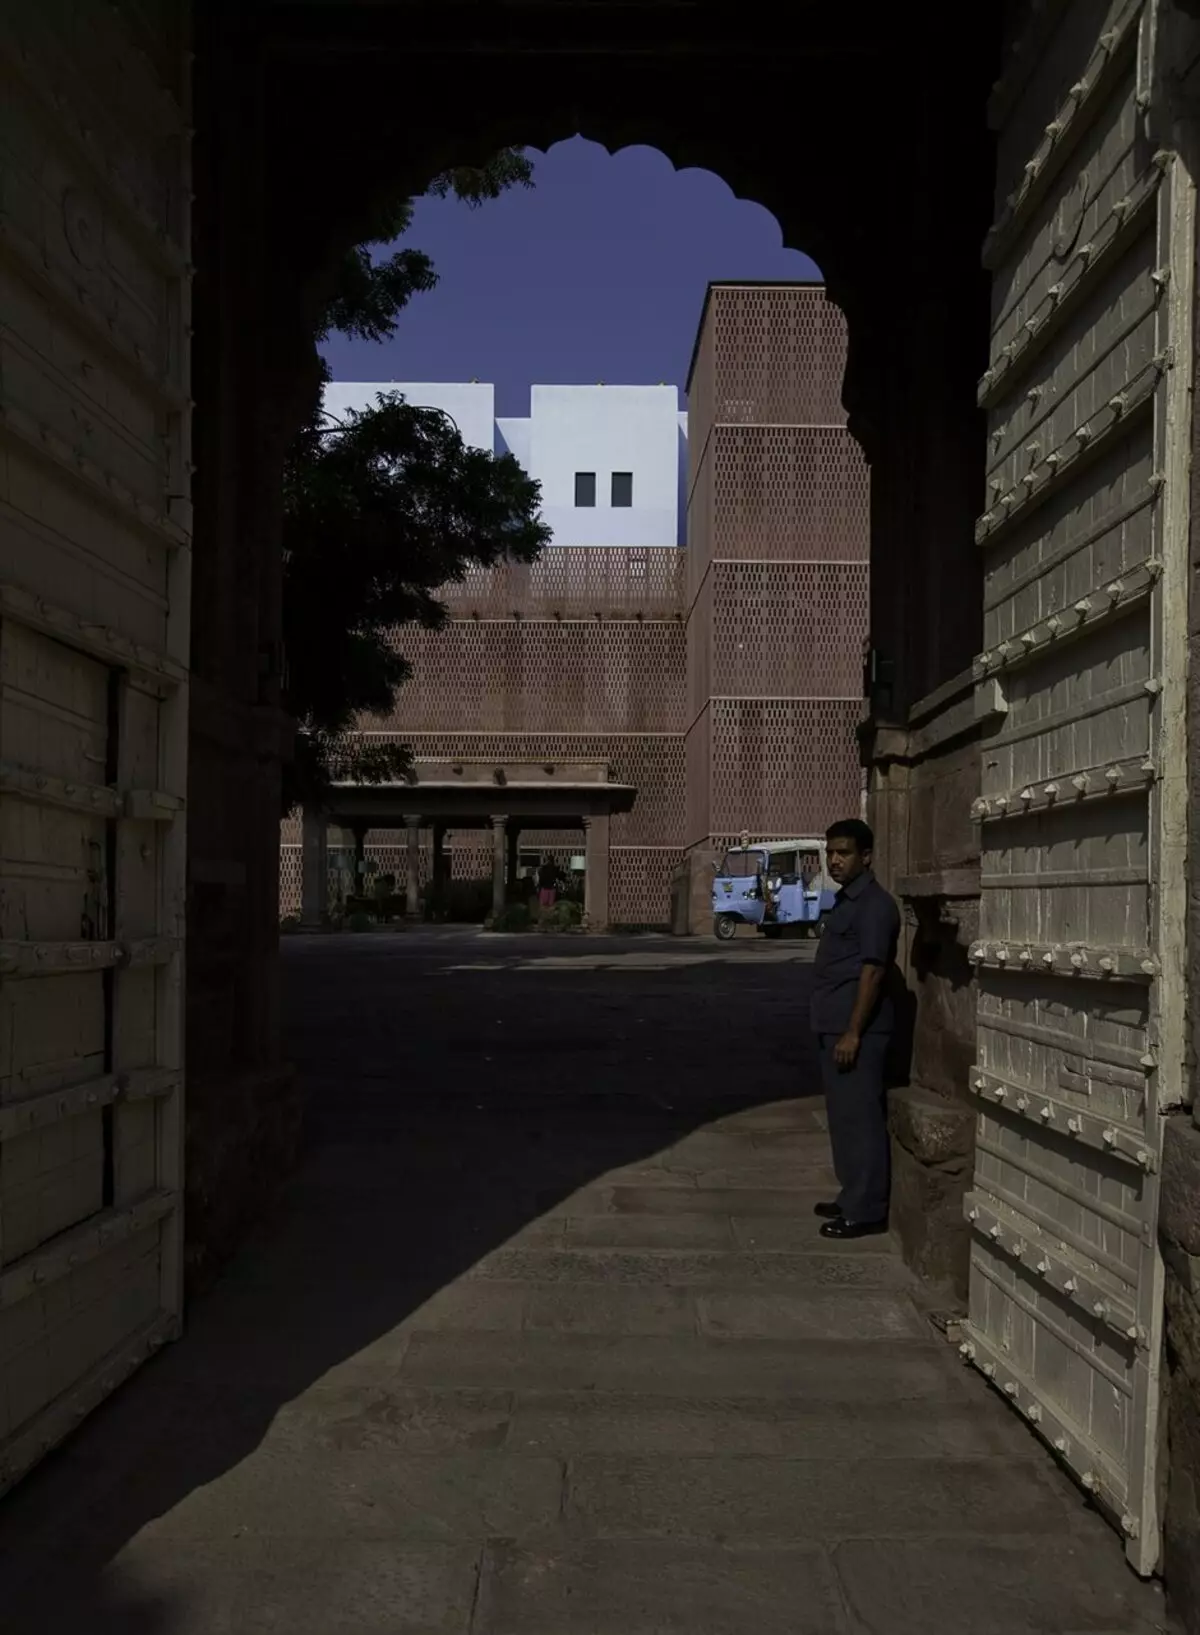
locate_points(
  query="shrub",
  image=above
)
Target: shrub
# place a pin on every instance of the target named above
(566, 915)
(361, 922)
(512, 917)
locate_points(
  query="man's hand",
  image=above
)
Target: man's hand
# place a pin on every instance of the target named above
(845, 1052)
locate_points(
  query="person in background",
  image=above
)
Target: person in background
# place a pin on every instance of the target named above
(547, 879)
(853, 1018)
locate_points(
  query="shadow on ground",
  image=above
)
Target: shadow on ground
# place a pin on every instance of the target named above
(459, 1089)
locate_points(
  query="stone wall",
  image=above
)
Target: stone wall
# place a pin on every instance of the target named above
(242, 1115)
(924, 780)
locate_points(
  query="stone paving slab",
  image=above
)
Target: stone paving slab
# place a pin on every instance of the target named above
(688, 1231)
(570, 1308)
(356, 1417)
(774, 1500)
(605, 1588)
(825, 1371)
(569, 1423)
(786, 1313)
(1026, 1585)
(246, 1586)
(705, 1151)
(680, 1268)
(436, 1498)
(544, 1339)
(781, 1118)
(748, 1201)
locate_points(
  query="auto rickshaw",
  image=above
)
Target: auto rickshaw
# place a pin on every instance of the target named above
(782, 887)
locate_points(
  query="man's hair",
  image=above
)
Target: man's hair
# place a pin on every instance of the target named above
(852, 829)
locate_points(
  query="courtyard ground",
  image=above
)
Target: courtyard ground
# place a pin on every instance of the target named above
(544, 1342)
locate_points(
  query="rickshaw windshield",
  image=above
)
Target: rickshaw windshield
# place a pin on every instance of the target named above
(742, 865)
(783, 864)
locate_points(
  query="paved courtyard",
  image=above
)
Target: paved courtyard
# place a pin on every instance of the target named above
(544, 1342)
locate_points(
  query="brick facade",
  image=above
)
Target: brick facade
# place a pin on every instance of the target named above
(722, 680)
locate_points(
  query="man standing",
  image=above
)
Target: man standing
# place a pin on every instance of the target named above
(852, 1017)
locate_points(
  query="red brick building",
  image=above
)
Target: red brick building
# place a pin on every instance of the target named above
(722, 680)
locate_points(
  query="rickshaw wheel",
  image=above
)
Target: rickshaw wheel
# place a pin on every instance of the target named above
(725, 926)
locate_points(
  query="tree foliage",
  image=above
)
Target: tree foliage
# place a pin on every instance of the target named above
(371, 292)
(379, 513)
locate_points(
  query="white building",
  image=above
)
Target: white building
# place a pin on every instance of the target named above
(609, 458)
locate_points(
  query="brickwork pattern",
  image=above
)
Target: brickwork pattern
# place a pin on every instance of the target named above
(531, 675)
(788, 493)
(783, 766)
(778, 591)
(785, 629)
(573, 582)
(768, 355)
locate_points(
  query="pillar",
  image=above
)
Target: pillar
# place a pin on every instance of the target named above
(314, 864)
(513, 855)
(499, 857)
(595, 880)
(412, 867)
(359, 832)
(437, 870)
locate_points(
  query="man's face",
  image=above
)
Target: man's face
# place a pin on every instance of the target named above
(846, 862)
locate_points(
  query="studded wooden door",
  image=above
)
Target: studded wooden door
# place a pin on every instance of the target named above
(1080, 1001)
(94, 573)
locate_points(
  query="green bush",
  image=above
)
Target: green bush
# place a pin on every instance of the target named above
(361, 922)
(512, 917)
(565, 915)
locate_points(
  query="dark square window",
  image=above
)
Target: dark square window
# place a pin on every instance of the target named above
(585, 488)
(622, 488)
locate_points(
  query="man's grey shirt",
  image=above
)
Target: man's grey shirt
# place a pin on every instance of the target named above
(862, 928)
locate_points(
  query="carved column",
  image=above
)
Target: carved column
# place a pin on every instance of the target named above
(412, 867)
(595, 880)
(314, 854)
(499, 857)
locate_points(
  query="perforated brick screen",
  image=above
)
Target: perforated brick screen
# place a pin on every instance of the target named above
(783, 765)
(768, 355)
(778, 595)
(789, 493)
(527, 675)
(575, 582)
(786, 629)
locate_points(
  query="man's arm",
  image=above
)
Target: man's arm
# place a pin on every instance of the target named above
(878, 930)
(870, 981)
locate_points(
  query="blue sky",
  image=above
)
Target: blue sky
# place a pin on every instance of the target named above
(597, 273)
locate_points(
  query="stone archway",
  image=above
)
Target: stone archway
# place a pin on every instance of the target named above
(308, 115)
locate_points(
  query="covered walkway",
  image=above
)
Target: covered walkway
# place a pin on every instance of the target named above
(503, 799)
(543, 1341)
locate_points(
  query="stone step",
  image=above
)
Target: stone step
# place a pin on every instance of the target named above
(480, 1307)
(819, 1371)
(683, 1267)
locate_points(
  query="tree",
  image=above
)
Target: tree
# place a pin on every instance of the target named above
(379, 513)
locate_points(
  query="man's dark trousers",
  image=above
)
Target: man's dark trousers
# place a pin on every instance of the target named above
(857, 1107)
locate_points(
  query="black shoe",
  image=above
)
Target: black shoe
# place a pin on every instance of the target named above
(842, 1228)
(828, 1212)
